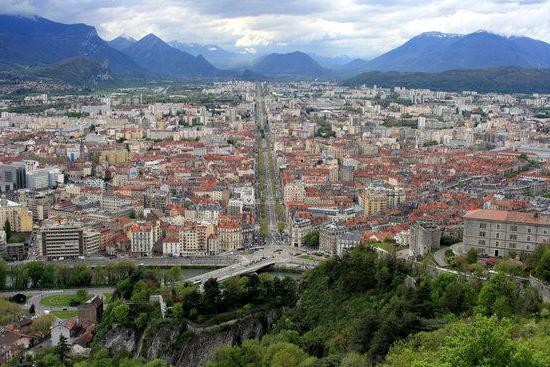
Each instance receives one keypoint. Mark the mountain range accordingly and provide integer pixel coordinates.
(291, 64)
(45, 45)
(153, 54)
(435, 52)
(38, 41)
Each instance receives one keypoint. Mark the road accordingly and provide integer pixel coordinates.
(34, 297)
(274, 237)
(284, 255)
(219, 260)
(439, 257)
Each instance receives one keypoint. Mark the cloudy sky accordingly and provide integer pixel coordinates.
(337, 27)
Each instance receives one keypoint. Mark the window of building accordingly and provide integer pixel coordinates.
(514, 228)
(529, 230)
(498, 226)
(482, 225)
(498, 235)
(482, 242)
(497, 244)
(513, 236)
(512, 245)
(528, 238)
(481, 234)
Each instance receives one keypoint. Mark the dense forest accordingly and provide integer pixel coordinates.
(501, 80)
(358, 310)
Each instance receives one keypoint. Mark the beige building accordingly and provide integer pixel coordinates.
(373, 201)
(19, 217)
(230, 236)
(377, 199)
(499, 232)
(294, 191)
(298, 229)
(143, 238)
(191, 240)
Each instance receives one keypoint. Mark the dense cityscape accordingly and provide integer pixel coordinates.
(178, 204)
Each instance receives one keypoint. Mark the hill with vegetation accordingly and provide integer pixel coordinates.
(499, 80)
(358, 310)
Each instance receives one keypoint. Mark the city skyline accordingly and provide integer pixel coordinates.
(355, 28)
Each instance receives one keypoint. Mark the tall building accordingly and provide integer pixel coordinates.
(373, 201)
(328, 237)
(230, 236)
(377, 199)
(294, 191)
(91, 241)
(62, 241)
(12, 177)
(298, 229)
(143, 238)
(500, 232)
(19, 217)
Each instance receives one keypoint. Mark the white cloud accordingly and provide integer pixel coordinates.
(353, 27)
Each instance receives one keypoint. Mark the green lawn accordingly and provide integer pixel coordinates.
(64, 314)
(57, 300)
(107, 297)
(308, 257)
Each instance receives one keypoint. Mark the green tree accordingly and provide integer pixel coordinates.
(211, 296)
(173, 274)
(542, 269)
(472, 256)
(498, 296)
(355, 360)
(62, 348)
(7, 229)
(121, 313)
(312, 239)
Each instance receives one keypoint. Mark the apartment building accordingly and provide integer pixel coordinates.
(298, 229)
(377, 199)
(230, 236)
(294, 191)
(191, 240)
(91, 241)
(19, 217)
(328, 237)
(500, 232)
(143, 238)
(62, 241)
(373, 201)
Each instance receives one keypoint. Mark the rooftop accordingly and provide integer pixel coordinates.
(507, 216)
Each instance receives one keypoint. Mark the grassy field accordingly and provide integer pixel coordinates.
(57, 300)
(64, 314)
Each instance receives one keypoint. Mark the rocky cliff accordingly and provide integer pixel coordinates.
(184, 344)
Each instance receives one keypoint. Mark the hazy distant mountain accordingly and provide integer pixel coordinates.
(121, 42)
(331, 62)
(39, 41)
(433, 51)
(154, 54)
(216, 55)
(290, 64)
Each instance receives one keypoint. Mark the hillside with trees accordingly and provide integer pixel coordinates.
(352, 311)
